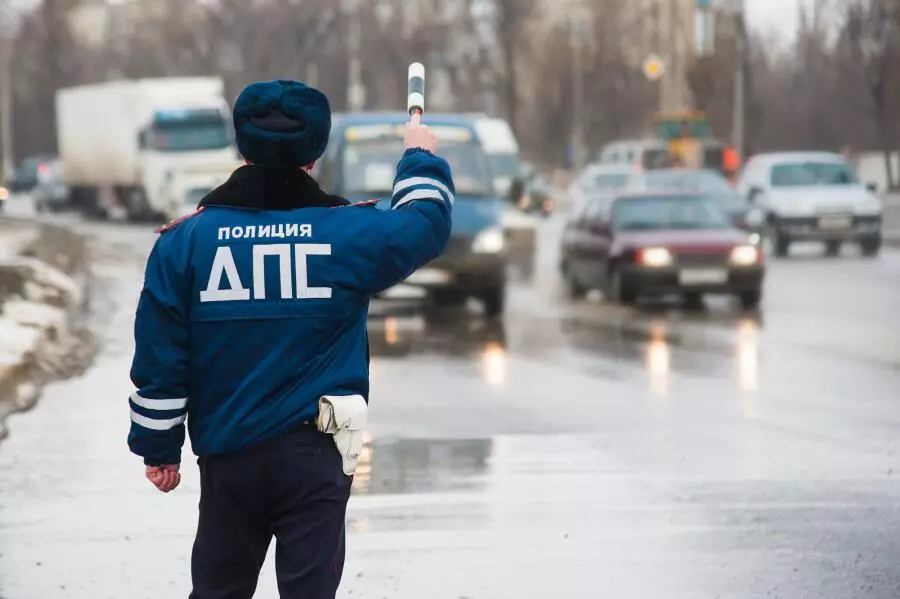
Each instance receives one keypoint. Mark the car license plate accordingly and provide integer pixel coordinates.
(832, 223)
(703, 276)
(429, 276)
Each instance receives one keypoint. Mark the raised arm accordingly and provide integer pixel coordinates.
(416, 229)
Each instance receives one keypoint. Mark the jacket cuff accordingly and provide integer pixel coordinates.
(411, 151)
(169, 459)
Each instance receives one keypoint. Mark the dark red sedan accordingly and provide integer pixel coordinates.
(660, 243)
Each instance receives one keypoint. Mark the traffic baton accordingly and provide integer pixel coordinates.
(415, 99)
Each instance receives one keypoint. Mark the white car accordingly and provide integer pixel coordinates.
(600, 179)
(812, 196)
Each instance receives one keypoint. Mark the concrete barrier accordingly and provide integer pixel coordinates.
(45, 283)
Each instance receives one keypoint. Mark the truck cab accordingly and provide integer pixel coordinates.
(183, 150)
(360, 164)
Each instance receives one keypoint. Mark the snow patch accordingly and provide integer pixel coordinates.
(33, 314)
(18, 340)
(12, 242)
(46, 281)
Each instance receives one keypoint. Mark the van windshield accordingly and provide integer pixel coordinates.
(369, 166)
(189, 132)
(504, 165)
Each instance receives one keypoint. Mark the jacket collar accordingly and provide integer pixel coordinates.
(261, 188)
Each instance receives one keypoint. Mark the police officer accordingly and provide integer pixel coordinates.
(253, 310)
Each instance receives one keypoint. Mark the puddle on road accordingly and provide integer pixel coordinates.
(666, 343)
(403, 466)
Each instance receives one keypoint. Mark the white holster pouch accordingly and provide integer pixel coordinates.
(345, 418)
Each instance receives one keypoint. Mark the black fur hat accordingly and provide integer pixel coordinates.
(281, 123)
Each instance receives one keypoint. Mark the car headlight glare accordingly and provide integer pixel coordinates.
(745, 255)
(655, 257)
(491, 241)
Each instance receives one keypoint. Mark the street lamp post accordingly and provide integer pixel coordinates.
(875, 45)
(7, 41)
(740, 80)
(577, 32)
(356, 93)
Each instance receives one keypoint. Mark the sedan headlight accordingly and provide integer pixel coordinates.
(745, 255)
(655, 257)
(491, 241)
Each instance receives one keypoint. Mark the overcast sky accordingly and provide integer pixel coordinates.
(774, 14)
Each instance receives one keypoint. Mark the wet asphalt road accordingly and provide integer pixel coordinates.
(576, 450)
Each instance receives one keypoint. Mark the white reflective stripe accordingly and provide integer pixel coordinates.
(405, 183)
(420, 194)
(157, 425)
(178, 403)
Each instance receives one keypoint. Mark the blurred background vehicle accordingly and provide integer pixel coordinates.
(638, 153)
(709, 183)
(123, 143)
(600, 179)
(531, 192)
(501, 148)
(659, 243)
(688, 136)
(4, 197)
(51, 192)
(25, 176)
(812, 196)
(360, 164)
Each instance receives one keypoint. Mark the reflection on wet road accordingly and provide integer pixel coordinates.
(572, 450)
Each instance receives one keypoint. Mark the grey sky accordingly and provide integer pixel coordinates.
(781, 15)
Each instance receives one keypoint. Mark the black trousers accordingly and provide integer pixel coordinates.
(292, 488)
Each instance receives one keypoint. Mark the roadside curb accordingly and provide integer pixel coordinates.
(44, 299)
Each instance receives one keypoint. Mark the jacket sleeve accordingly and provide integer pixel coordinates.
(416, 229)
(160, 366)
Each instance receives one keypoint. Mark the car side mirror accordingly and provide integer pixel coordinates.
(872, 187)
(753, 195)
(142, 140)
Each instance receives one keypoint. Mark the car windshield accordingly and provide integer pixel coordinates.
(369, 166)
(190, 135)
(661, 213)
(812, 173)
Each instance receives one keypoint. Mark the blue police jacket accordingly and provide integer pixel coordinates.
(247, 317)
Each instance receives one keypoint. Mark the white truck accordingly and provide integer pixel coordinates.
(144, 148)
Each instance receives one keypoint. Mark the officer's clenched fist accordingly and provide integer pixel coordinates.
(165, 478)
(419, 136)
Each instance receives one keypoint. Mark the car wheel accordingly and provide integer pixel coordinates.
(832, 248)
(750, 300)
(781, 245)
(617, 292)
(870, 247)
(494, 301)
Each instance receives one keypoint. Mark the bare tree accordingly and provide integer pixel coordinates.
(872, 30)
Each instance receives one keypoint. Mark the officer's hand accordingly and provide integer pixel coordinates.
(419, 136)
(165, 478)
